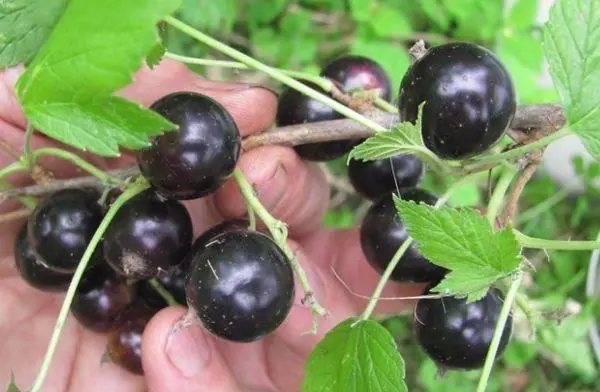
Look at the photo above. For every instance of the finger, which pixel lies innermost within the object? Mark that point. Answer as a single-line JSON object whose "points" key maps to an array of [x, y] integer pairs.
{"points": [[183, 360], [293, 190]]}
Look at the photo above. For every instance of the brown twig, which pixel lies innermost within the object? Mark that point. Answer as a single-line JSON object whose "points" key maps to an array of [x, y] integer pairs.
{"points": [[531, 165]]}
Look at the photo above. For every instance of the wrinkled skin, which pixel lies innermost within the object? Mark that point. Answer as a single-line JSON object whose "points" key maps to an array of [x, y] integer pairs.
{"points": [[291, 189]]}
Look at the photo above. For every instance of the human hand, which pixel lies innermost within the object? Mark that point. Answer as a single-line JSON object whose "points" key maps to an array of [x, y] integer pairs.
{"points": [[191, 359]]}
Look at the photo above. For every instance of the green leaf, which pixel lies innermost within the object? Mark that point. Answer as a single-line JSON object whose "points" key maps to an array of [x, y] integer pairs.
{"points": [[436, 12], [24, 26], [67, 91], [463, 242], [387, 22], [155, 55], [359, 358], [403, 138], [209, 15], [522, 15], [360, 9], [572, 46], [261, 12], [12, 386]]}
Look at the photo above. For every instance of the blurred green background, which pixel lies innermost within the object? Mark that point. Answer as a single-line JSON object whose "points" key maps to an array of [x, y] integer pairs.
{"points": [[302, 35]]}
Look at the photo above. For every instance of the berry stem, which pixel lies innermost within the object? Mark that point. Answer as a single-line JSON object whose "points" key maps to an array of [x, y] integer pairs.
{"points": [[274, 73], [396, 258], [28, 157], [502, 319], [13, 168], [539, 243], [134, 189], [78, 161], [163, 292], [517, 152], [324, 83], [499, 192], [279, 232]]}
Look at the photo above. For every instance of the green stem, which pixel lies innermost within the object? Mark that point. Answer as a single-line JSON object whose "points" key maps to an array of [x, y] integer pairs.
{"points": [[324, 83], [27, 145], [544, 206], [251, 218], [78, 161], [370, 308], [275, 74], [385, 105], [13, 168], [135, 188], [523, 304], [279, 232], [163, 292], [499, 192], [502, 319], [539, 243], [517, 152]]}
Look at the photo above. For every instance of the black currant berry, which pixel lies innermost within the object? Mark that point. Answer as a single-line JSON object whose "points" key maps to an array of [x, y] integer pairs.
{"points": [[100, 299], [218, 229], [197, 158], [373, 179], [382, 233], [457, 335], [470, 99], [37, 274], [124, 345], [359, 73], [241, 285], [61, 227], [148, 236], [297, 108]]}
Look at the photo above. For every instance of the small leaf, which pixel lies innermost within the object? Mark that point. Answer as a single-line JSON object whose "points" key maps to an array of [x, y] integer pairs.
{"points": [[12, 386], [463, 242], [360, 9], [24, 26], [572, 46], [67, 91], [387, 22], [363, 357], [155, 55], [403, 138]]}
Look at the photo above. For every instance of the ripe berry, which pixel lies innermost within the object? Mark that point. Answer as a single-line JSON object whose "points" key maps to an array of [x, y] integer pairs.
{"points": [[241, 286], [373, 179], [470, 99], [32, 271], [100, 299], [197, 158], [148, 236], [218, 229], [382, 233], [297, 108], [456, 334], [359, 73], [61, 227], [124, 345]]}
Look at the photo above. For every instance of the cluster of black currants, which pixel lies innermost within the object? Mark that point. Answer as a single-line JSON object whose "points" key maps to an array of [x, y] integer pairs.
{"points": [[469, 103], [237, 281]]}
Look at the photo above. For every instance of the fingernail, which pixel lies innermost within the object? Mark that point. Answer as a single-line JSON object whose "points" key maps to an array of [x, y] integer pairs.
{"points": [[188, 350], [271, 191]]}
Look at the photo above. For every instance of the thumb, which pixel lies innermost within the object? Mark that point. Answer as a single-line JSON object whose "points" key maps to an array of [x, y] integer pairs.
{"points": [[184, 358]]}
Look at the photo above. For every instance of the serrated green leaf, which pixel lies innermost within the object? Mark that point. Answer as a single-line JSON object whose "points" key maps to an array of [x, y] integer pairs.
{"points": [[155, 55], [67, 91], [403, 138], [572, 46], [24, 26], [360, 9], [359, 358], [463, 242]]}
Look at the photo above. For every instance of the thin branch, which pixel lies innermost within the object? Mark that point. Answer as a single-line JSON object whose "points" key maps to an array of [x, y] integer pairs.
{"points": [[515, 194], [14, 215], [528, 117]]}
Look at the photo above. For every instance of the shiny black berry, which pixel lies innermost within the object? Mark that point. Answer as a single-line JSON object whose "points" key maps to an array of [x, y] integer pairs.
{"points": [[382, 232], [218, 229], [37, 274], [100, 299], [373, 179], [148, 236], [297, 108], [197, 158], [61, 227], [470, 99], [124, 345], [241, 286], [353, 73], [457, 335]]}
